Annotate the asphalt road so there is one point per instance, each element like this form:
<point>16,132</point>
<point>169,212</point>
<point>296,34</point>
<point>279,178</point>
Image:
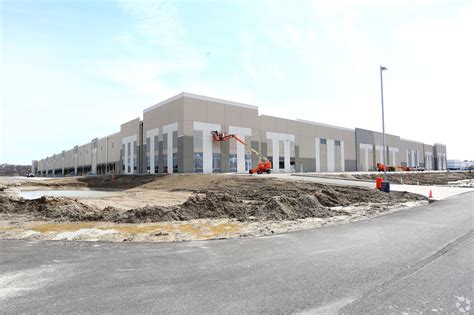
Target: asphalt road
<point>414,260</point>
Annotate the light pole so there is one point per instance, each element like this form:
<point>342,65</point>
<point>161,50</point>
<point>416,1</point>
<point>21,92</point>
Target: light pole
<point>382,68</point>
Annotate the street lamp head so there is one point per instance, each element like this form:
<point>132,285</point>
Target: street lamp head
<point>382,68</point>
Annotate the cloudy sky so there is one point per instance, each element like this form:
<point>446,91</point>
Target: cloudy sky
<point>75,70</point>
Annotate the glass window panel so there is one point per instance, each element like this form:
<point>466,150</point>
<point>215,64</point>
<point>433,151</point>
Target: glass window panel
<point>233,162</point>
<point>216,162</point>
<point>165,163</point>
<point>198,162</point>
<point>248,162</point>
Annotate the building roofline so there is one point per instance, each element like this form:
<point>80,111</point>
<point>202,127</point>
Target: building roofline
<point>324,125</point>
<point>404,139</point>
<point>199,97</point>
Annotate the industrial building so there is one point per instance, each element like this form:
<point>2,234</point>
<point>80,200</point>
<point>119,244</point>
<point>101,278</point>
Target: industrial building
<point>175,137</point>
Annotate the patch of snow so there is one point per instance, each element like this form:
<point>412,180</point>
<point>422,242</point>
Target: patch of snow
<point>28,233</point>
<point>82,232</point>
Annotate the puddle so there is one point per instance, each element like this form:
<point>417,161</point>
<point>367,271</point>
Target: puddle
<point>65,193</point>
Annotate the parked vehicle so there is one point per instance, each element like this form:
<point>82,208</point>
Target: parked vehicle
<point>30,174</point>
<point>416,168</point>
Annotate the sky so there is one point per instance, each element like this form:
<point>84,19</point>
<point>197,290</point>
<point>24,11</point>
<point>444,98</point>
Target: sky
<point>75,70</point>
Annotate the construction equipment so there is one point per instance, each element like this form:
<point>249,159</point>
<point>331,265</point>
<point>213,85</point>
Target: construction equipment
<point>388,168</point>
<point>264,165</point>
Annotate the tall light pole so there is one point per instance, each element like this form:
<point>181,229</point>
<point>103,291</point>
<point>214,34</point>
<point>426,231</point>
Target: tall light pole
<point>382,68</point>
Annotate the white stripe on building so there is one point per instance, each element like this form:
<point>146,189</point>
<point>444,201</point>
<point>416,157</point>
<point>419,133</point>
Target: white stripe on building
<point>276,137</point>
<point>318,155</point>
<point>330,154</point>
<point>241,133</point>
<point>168,130</point>
<point>152,134</point>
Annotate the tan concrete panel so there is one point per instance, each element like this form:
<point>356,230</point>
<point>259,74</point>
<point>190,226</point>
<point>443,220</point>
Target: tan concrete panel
<point>130,128</point>
<point>249,118</point>
<point>81,151</point>
<point>266,124</point>
<point>187,128</point>
<point>299,128</point>
<point>194,109</point>
<point>307,146</point>
<point>87,156</point>
<point>114,147</point>
<point>176,108</point>
<point>215,113</point>
<point>232,116</point>
<point>102,150</point>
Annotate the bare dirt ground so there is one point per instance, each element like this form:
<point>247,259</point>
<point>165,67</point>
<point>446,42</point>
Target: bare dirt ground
<point>408,178</point>
<point>186,207</point>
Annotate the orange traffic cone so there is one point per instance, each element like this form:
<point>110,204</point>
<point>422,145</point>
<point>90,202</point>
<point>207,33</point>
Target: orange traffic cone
<point>431,194</point>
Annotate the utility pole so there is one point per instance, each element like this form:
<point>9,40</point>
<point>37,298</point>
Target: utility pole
<point>382,68</point>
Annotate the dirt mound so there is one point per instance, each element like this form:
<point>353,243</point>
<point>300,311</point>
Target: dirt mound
<point>48,207</point>
<point>217,197</point>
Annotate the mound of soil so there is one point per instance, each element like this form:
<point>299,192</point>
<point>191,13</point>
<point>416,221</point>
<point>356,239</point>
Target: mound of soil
<point>48,207</point>
<point>232,197</point>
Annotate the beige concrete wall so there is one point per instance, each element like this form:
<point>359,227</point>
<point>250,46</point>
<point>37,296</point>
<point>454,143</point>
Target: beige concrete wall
<point>305,133</point>
<point>114,146</point>
<point>102,156</point>
<point>185,109</point>
<point>406,144</point>
<point>213,111</point>
<point>131,127</point>
<point>108,148</point>
<point>81,152</point>
<point>69,159</point>
<point>162,115</point>
<point>88,154</point>
<point>131,137</point>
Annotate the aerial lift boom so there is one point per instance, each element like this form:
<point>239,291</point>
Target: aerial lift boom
<point>264,165</point>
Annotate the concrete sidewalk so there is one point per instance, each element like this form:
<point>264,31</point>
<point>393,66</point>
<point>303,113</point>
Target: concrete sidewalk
<point>438,192</point>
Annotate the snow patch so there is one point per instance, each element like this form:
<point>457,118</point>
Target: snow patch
<point>83,232</point>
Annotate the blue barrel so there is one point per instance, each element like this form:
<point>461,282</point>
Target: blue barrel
<point>386,186</point>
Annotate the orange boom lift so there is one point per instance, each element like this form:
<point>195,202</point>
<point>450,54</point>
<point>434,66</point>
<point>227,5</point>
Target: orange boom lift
<point>264,165</point>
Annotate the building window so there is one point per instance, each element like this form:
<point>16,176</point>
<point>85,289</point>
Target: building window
<point>281,162</point>
<point>147,150</point>
<point>165,163</point>
<point>198,162</point>
<point>112,145</point>
<point>233,162</point>
<point>337,142</point>
<point>165,153</point>
<point>198,151</point>
<point>135,151</point>
<point>216,162</point>
<point>129,147</point>
<point>248,162</point>
<point>157,154</point>
<point>175,162</point>
<point>322,141</point>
